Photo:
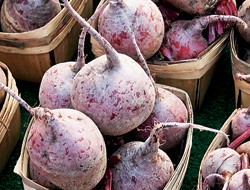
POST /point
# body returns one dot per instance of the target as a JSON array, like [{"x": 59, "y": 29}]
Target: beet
[
  {"x": 142, "y": 165},
  {"x": 219, "y": 165},
  {"x": 3, "y": 79},
  {"x": 184, "y": 39},
  {"x": 168, "y": 108},
  {"x": 142, "y": 17},
  {"x": 240, "y": 180},
  {"x": 240, "y": 122},
  {"x": 25, "y": 15},
  {"x": 65, "y": 146},
  {"x": 240, "y": 127}
]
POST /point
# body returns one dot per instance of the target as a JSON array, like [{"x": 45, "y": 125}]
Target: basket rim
[{"x": 10, "y": 105}]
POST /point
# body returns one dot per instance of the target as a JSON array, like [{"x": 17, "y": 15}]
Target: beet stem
[
  {"x": 150, "y": 146},
  {"x": 81, "y": 57},
  {"x": 239, "y": 140},
  {"x": 163, "y": 125},
  {"x": 18, "y": 98},
  {"x": 138, "y": 51},
  {"x": 205, "y": 20},
  {"x": 112, "y": 54}
]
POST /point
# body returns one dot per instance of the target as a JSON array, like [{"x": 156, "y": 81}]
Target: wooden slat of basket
[
  {"x": 218, "y": 142},
  {"x": 242, "y": 87},
  {"x": 238, "y": 63},
  {"x": 10, "y": 117},
  {"x": 9, "y": 105}
]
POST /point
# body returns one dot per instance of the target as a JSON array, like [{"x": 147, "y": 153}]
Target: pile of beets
[
  {"x": 172, "y": 31},
  {"x": 105, "y": 124},
  {"x": 228, "y": 167}
]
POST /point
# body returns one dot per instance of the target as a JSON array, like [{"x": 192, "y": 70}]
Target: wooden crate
[
  {"x": 175, "y": 181},
  {"x": 29, "y": 54},
  {"x": 10, "y": 128},
  {"x": 193, "y": 75},
  {"x": 242, "y": 87},
  {"x": 218, "y": 142}
]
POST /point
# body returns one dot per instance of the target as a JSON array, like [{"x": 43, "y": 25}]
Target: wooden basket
[
  {"x": 176, "y": 180},
  {"x": 10, "y": 128},
  {"x": 218, "y": 142},
  {"x": 242, "y": 87},
  {"x": 29, "y": 54},
  {"x": 193, "y": 75}
]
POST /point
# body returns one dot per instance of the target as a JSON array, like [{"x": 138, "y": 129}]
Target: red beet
[
  {"x": 240, "y": 122},
  {"x": 220, "y": 165},
  {"x": 240, "y": 126},
  {"x": 184, "y": 40},
  {"x": 25, "y": 15},
  {"x": 61, "y": 147},
  {"x": 142, "y": 17},
  {"x": 168, "y": 108},
  {"x": 141, "y": 165},
  {"x": 240, "y": 180}
]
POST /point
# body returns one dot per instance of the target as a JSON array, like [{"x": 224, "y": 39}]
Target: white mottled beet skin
[
  {"x": 240, "y": 180},
  {"x": 140, "y": 169},
  {"x": 67, "y": 148},
  {"x": 221, "y": 160},
  {"x": 55, "y": 87},
  {"x": 117, "y": 98},
  {"x": 240, "y": 122},
  {"x": 142, "y": 16},
  {"x": 168, "y": 108},
  {"x": 38, "y": 178}
]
